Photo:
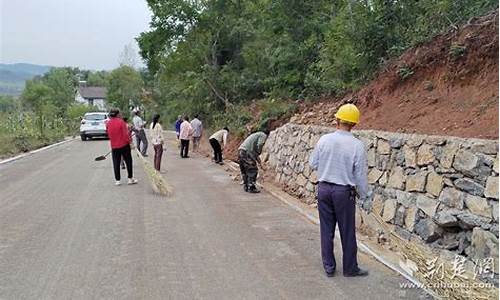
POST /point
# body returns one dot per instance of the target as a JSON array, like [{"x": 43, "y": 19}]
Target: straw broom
[
  {"x": 158, "y": 182},
  {"x": 467, "y": 288}
]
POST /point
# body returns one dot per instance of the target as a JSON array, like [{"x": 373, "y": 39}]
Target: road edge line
[{"x": 29, "y": 153}]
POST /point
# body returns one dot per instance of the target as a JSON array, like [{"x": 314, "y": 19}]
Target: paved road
[{"x": 66, "y": 232}]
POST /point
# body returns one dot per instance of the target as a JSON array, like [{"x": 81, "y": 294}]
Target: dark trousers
[
  {"x": 336, "y": 204},
  {"x": 217, "y": 150},
  {"x": 248, "y": 168},
  {"x": 158, "y": 154},
  {"x": 140, "y": 137},
  {"x": 117, "y": 155},
  {"x": 184, "y": 148}
]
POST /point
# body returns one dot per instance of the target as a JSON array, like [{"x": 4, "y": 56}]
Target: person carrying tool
[
  {"x": 216, "y": 140},
  {"x": 248, "y": 158},
  {"x": 157, "y": 140},
  {"x": 340, "y": 162},
  {"x": 197, "y": 132},
  {"x": 119, "y": 138},
  {"x": 140, "y": 134},
  {"x": 185, "y": 134}
]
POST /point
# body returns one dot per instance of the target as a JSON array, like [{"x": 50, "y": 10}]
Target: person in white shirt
[
  {"x": 339, "y": 159},
  {"x": 157, "y": 140},
  {"x": 185, "y": 134},
  {"x": 140, "y": 134},
  {"x": 216, "y": 140},
  {"x": 197, "y": 132}
]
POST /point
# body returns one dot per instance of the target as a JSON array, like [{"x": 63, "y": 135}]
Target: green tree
[
  {"x": 38, "y": 98},
  {"x": 61, "y": 82},
  {"x": 210, "y": 56},
  {"x": 124, "y": 88},
  {"x": 99, "y": 78}
]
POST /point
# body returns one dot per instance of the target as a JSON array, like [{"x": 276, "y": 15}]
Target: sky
[{"x": 89, "y": 34}]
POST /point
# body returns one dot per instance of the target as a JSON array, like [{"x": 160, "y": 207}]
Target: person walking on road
[
  {"x": 341, "y": 165},
  {"x": 185, "y": 134},
  {"x": 248, "y": 157},
  {"x": 119, "y": 139},
  {"x": 216, "y": 140},
  {"x": 157, "y": 140},
  {"x": 197, "y": 132},
  {"x": 140, "y": 134}
]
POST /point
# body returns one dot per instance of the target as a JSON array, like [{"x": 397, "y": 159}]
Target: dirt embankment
[{"x": 448, "y": 86}]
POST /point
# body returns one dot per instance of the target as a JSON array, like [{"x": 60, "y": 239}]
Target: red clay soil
[{"x": 453, "y": 89}]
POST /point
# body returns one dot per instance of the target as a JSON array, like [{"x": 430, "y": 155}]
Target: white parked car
[{"x": 93, "y": 125}]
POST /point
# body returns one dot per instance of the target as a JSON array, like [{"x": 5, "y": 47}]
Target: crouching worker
[
  {"x": 248, "y": 157},
  {"x": 119, "y": 139},
  {"x": 218, "y": 142},
  {"x": 340, "y": 161}
]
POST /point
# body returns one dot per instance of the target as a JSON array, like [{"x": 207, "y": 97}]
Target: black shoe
[
  {"x": 358, "y": 273},
  {"x": 187, "y": 156},
  {"x": 252, "y": 189},
  {"x": 330, "y": 274},
  {"x": 245, "y": 188}
]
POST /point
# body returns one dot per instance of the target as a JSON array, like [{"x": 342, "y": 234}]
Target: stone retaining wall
[{"x": 441, "y": 191}]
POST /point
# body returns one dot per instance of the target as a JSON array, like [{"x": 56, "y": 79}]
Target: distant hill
[{"x": 14, "y": 76}]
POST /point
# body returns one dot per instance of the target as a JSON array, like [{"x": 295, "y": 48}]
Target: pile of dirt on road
[{"x": 447, "y": 86}]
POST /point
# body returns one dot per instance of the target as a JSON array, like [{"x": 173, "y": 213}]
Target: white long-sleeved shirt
[
  {"x": 138, "y": 122},
  {"x": 156, "y": 134},
  {"x": 340, "y": 158},
  {"x": 220, "y": 136}
]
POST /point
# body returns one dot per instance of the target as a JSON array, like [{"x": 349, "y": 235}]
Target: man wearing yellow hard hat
[{"x": 340, "y": 162}]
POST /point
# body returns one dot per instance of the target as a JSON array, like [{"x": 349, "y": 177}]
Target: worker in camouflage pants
[{"x": 248, "y": 156}]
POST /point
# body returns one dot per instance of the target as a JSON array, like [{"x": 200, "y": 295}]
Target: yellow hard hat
[{"x": 349, "y": 113}]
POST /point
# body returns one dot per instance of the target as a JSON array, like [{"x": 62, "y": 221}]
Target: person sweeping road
[
  {"x": 218, "y": 141},
  {"x": 119, "y": 139},
  {"x": 248, "y": 157},
  {"x": 341, "y": 165},
  {"x": 157, "y": 140}
]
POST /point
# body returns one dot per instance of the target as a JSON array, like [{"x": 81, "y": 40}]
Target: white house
[{"x": 92, "y": 95}]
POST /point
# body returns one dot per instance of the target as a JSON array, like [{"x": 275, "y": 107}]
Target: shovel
[{"x": 102, "y": 157}]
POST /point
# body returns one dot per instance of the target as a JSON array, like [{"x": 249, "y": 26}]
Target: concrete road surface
[{"x": 66, "y": 232}]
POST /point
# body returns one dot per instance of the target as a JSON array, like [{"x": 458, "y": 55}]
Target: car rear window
[{"x": 95, "y": 117}]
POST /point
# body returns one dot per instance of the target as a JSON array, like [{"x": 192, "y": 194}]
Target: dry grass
[{"x": 446, "y": 285}]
